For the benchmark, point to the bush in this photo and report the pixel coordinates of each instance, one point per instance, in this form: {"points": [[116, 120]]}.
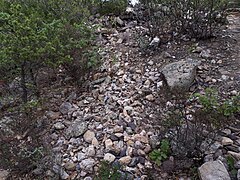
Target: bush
{"points": [[112, 6], [189, 127], [194, 18], [36, 34]]}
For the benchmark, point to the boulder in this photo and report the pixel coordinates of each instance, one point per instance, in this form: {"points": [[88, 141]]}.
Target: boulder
{"points": [[179, 76], [213, 170]]}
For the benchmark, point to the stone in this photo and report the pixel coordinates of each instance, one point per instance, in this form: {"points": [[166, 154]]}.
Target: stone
{"points": [[150, 97], [90, 151], [226, 141], [70, 166], [3, 174], [65, 107], [88, 178], [213, 170], [237, 165], [238, 175], [119, 21], [59, 126], [64, 174], [87, 164], [95, 142], [76, 129], [234, 154], [125, 160], [109, 157], [53, 115], [88, 136], [179, 76], [108, 144], [205, 54], [81, 156]]}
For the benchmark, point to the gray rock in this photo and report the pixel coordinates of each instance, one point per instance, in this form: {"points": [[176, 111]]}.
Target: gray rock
{"points": [[213, 170], [88, 136], [87, 164], [180, 75], [238, 174], [3, 174], [81, 156], [226, 141], [65, 107], [109, 157], [237, 165], [76, 129], [59, 126]]}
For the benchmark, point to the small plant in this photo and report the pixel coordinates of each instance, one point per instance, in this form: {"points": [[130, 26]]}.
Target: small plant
{"points": [[161, 154], [211, 102], [230, 162], [108, 172]]}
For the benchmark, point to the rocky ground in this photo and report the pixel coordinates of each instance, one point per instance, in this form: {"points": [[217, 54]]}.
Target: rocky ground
{"points": [[117, 117]]}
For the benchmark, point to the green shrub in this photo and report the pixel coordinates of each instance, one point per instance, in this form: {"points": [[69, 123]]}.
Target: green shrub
{"points": [[34, 35], [108, 172], [161, 154], [175, 18], [112, 6]]}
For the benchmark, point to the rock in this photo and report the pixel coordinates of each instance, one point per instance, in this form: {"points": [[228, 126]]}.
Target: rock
{"points": [[90, 151], [155, 42], [65, 107], [226, 141], [59, 126], [180, 75], [237, 165], [3, 174], [70, 166], [119, 21], [81, 156], [88, 136], [234, 154], [88, 178], [76, 129], [108, 144], [125, 160], [213, 170], [109, 157], [205, 54], [238, 175], [87, 164], [53, 115], [64, 174], [95, 142], [150, 97]]}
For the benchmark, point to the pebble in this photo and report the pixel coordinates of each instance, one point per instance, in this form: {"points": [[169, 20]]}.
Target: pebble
{"points": [[89, 136], [59, 126], [109, 157], [125, 160], [226, 141]]}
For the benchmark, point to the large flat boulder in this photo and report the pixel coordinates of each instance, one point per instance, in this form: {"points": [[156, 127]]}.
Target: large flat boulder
{"points": [[180, 75], [213, 170]]}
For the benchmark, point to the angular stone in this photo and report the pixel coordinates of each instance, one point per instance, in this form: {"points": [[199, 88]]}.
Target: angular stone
{"points": [[65, 107], [226, 141], [88, 136], [125, 160], [59, 126], [109, 157], [213, 170], [4, 174], [76, 129], [70, 166], [234, 154], [87, 164], [179, 76]]}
